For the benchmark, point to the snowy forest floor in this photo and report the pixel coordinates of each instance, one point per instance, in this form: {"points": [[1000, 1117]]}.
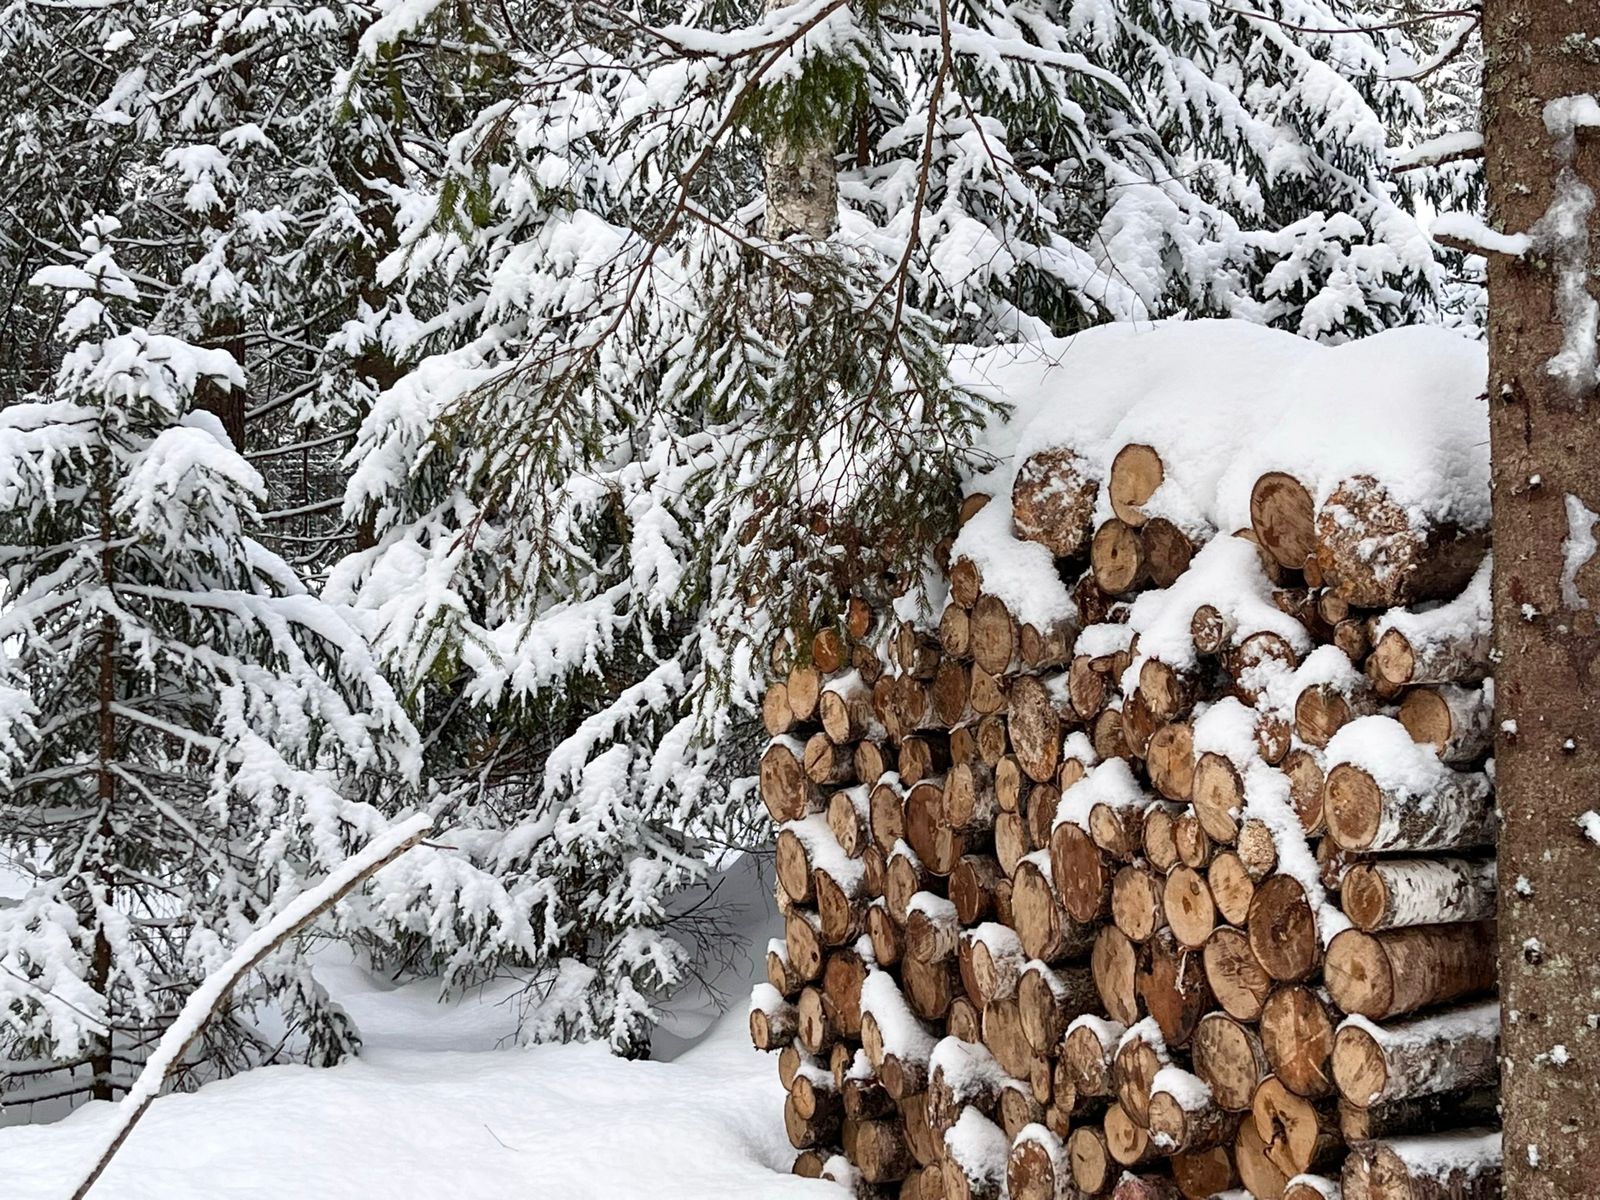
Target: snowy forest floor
{"points": [[439, 1105]]}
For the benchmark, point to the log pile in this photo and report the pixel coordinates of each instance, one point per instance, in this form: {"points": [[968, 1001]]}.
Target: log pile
{"points": [[1183, 888]]}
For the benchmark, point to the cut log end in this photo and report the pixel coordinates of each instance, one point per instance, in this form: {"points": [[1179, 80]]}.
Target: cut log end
{"points": [[1283, 516], [1136, 473], [1052, 501], [1297, 1034], [1282, 929], [1117, 556], [1229, 1057], [1353, 806], [1372, 553]]}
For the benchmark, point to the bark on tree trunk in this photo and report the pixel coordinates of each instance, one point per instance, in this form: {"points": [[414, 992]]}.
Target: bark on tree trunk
{"points": [[228, 404], [101, 1061], [1545, 443], [802, 184]]}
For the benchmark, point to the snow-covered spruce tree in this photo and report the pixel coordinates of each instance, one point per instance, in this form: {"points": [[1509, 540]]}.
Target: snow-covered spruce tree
{"points": [[1121, 159], [599, 492], [263, 212], [254, 177], [57, 165], [563, 613], [178, 715]]}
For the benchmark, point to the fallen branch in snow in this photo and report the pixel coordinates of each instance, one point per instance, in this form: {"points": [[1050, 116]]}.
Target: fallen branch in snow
{"points": [[191, 1019]]}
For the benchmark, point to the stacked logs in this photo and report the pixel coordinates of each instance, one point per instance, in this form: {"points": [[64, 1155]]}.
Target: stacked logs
{"points": [[1188, 894]]}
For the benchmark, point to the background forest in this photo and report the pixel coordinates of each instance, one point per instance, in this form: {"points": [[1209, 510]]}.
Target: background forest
{"points": [[430, 405]]}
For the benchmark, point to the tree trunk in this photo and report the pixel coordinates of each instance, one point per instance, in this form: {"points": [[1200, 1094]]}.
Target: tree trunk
{"points": [[101, 1062], [1543, 427], [802, 184]]}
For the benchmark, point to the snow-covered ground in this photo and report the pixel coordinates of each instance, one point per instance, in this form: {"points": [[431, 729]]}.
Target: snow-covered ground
{"points": [[439, 1105]]}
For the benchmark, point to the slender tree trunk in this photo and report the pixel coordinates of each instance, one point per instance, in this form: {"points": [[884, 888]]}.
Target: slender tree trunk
{"points": [[227, 404], [1545, 435], [100, 1059], [226, 332], [375, 365], [802, 183], [101, 1062]]}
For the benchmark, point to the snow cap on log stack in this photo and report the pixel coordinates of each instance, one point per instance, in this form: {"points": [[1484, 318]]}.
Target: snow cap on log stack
{"points": [[1405, 406]]}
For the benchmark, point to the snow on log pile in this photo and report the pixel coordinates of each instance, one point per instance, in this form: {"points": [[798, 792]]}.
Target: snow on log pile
{"points": [[1158, 863]]}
